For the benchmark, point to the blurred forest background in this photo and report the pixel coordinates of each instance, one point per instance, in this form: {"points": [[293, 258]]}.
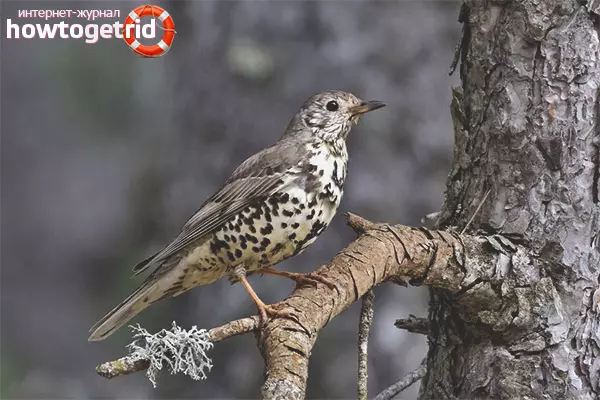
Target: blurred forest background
{"points": [[105, 155]]}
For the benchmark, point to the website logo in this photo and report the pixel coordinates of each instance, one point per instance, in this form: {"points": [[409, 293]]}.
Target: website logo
{"points": [[131, 31], [132, 23]]}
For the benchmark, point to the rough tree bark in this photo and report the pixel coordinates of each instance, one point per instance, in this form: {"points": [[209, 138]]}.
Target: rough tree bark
{"points": [[527, 130], [515, 302]]}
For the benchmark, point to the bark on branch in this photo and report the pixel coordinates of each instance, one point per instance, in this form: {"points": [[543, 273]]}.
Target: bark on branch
{"points": [[364, 327], [463, 266], [466, 267]]}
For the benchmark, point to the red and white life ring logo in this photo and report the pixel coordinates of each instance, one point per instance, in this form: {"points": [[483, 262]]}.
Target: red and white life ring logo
{"points": [[168, 28]]}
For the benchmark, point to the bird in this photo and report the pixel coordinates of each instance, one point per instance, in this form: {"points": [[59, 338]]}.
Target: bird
{"points": [[273, 206]]}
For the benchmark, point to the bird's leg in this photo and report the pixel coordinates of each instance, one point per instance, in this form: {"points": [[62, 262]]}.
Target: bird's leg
{"points": [[263, 309], [310, 278]]}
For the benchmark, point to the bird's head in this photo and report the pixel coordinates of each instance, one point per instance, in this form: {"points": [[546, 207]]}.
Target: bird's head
{"points": [[330, 115]]}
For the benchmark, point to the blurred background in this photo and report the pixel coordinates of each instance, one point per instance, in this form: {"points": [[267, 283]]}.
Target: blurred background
{"points": [[105, 155]]}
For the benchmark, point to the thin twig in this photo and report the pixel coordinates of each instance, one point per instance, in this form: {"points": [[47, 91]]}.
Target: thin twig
{"points": [[233, 328], [462, 18], [403, 383], [123, 366], [476, 211], [457, 52], [126, 365], [364, 326], [358, 223], [413, 324]]}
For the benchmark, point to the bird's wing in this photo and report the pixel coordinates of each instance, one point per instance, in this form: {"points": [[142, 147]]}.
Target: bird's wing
{"points": [[255, 179]]}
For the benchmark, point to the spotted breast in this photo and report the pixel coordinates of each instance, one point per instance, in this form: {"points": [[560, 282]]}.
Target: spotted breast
{"points": [[284, 224]]}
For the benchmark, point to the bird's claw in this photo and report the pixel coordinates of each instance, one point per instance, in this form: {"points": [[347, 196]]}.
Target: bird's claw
{"points": [[313, 279], [267, 311]]}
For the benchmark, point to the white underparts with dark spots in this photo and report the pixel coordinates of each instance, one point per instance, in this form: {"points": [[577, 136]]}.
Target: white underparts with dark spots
{"points": [[283, 225]]}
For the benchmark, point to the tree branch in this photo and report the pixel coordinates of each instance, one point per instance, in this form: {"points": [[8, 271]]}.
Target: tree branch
{"points": [[413, 324], [403, 383], [462, 266], [364, 326], [126, 365]]}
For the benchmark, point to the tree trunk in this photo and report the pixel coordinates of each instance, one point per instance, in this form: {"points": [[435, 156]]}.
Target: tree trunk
{"points": [[527, 135]]}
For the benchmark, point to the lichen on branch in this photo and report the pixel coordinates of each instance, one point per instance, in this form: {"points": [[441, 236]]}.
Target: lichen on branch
{"points": [[465, 266], [180, 350]]}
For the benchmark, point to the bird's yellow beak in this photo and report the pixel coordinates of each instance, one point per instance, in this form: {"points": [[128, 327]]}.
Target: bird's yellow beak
{"points": [[365, 107]]}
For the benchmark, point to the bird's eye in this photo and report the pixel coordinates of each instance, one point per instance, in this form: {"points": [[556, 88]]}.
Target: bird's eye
{"points": [[332, 105]]}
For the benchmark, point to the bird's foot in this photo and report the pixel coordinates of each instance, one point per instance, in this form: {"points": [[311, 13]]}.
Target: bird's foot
{"points": [[265, 311], [312, 279]]}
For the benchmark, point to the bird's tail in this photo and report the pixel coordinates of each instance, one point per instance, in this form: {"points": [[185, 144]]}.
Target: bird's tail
{"points": [[141, 298]]}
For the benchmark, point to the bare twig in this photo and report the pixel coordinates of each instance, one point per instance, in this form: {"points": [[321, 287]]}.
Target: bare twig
{"points": [[403, 383], [413, 324], [358, 223], [122, 366], [127, 365], [364, 326], [476, 211], [462, 18], [234, 328]]}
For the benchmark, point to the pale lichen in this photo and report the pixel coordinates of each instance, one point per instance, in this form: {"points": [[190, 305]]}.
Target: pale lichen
{"points": [[182, 351]]}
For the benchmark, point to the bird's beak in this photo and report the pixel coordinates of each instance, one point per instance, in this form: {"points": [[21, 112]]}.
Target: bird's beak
{"points": [[366, 106]]}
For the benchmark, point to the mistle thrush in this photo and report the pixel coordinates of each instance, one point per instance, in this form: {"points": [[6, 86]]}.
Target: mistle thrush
{"points": [[273, 206]]}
